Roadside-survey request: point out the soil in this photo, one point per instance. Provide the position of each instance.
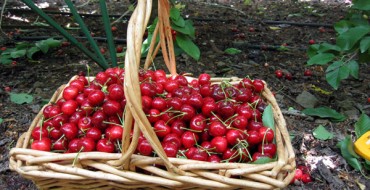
(219, 25)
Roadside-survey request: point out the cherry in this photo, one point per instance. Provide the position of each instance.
(205, 90)
(115, 92)
(144, 148)
(198, 123)
(55, 134)
(322, 30)
(70, 92)
(258, 155)
(159, 74)
(39, 133)
(177, 127)
(159, 104)
(233, 136)
(255, 125)
(217, 128)
(208, 108)
(86, 107)
(190, 152)
(175, 103)
(96, 97)
(77, 83)
(251, 29)
(244, 110)
(307, 73)
(200, 155)
(298, 175)
(240, 122)
(311, 42)
(84, 123)
(97, 119)
(173, 138)
(226, 109)
(59, 120)
(119, 49)
(171, 85)
(147, 89)
(7, 89)
(258, 85)
(69, 130)
(279, 73)
(94, 133)
(253, 137)
(214, 159)
(267, 134)
(170, 149)
(69, 107)
(306, 178)
(219, 143)
(153, 115)
(42, 144)
(288, 76)
(105, 145)
(243, 95)
(189, 139)
(161, 128)
(114, 132)
(73, 146)
(269, 149)
(189, 112)
(86, 144)
(114, 28)
(111, 107)
(195, 100)
(204, 79)
(303, 168)
(230, 155)
(102, 50)
(60, 144)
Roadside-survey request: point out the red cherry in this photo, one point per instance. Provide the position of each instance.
(119, 49)
(298, 175)
(96, 97)
(230, 155)
(189, 139)
(115, 92)
(173, 138)
(189, 112)
(251, 29)
(288, 76)
(200, 155)
(214, 159)
(311, 42)
(267, 134)
(198, 123)
(111, 107)
(204, 79)
(307, 73)
(144, 148)
(219, 143)
(258, 155)
(86, 144)
(233, 136)
(177, 127)
(170, 149)
(69, 107)
(240, 122)
(114, 133)
(114, 28)
(258, 85)
(217, 128)
(94, 133)
(105, 145)
(208, 108)
(171, 85)
(60, 144)
(69, 130)
(7, 89)
(279, 73)
(161, 128)
(269, 149)
(306, 178)
(39, 133)
(42, 144)
(70, 92)
(159, 103)
(253, 137)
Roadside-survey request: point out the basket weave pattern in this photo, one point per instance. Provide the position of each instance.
(126, 170)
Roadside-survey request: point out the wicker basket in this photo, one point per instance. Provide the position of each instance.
(97, 170)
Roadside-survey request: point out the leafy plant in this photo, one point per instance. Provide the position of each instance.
(325, 112)
(183, 33)
(347, 146)
(26, 49)
(351, 48)
(321, 133)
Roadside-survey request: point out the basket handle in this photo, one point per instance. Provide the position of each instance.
(135, 31)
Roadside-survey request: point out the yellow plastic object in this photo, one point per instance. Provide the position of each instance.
(362, 146)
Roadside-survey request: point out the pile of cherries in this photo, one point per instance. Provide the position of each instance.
(193, 118)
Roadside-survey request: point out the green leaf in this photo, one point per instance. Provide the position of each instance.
(32, 51)
(21, 98)
(362, 125)
(365, 44)
(4, 60)
(353, 68)
(22, 45)
(52, 43)
(348, 39)
(324, 112)
(18, 53)
(361, 5)
(335, 73)
(179, 22)
(268, 118)
(342, 26)
(188, 29)
(263, 160)
(232, 51)
(321, 133)
(324, 47)
(174, 13)
(1, 120)
(185, 43)
(321, 59)
(42, 46)
(312, 50)
(346, 149)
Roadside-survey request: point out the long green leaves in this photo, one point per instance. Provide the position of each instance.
(108, 32)
(86, 31)
(68, 36)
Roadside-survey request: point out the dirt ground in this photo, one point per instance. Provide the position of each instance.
(218, 26)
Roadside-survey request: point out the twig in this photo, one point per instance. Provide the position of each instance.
(122, 16)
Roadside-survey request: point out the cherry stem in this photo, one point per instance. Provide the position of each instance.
(119, 145)
(78, 153)
(218, 118)
(192, 130)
